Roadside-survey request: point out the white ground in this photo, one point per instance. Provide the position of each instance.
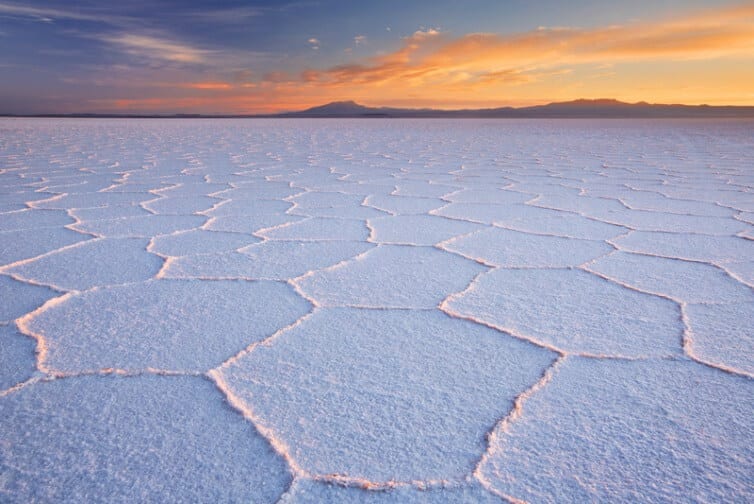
(376, 311)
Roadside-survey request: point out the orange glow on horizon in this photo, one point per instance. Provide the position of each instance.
(705, 58)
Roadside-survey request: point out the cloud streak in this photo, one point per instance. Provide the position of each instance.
(46, 14)
(228, 16)
(157, 48)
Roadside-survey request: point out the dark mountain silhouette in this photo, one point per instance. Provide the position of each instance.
(600, 108)
(338, 108)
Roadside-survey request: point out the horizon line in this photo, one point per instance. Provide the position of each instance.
(608, 104)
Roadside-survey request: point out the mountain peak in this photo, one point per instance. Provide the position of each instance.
(343, 103)
(590, 102)
(337, 108)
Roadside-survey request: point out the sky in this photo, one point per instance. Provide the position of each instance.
(236, 57)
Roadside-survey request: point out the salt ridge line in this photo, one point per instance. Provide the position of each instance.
(503, 425)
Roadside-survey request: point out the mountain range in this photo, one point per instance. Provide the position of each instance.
(601, 108)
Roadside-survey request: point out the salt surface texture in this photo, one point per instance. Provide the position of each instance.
(364, 311)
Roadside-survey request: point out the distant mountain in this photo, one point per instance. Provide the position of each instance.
(609, 108)
(338, 108)
(600, 108)
(353, 109)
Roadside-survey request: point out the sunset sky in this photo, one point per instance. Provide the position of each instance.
(257, 57)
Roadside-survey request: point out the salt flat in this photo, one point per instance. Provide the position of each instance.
(376, 310)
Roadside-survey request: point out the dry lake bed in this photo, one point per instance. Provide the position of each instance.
(376, 310)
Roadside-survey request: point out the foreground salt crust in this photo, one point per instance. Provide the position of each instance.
(376, 311)
(145, 438)
(199, 324)
(421, 390)
(573, 312)
(80, 267)
(17, 358)
(628, 431)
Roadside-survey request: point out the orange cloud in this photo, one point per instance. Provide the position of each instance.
(310, 76)
(704, 58)
(213, 86)
(431, 58)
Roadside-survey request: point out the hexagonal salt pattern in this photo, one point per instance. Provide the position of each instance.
(134, 439)
(418, 229)
(506, 248)
(723, 335)
(319, 229)
(691, 247)
(31, 219)
(391, 276)
(686, 281)
(186, 243)
(573, 311)
(270, 260)
(145, 226)
(166, 324)
(249, 223)
(615, 431)
(92, 263)
(531, 219)
(22, 244)
(384, 395)
(404, 205)
(300, 266)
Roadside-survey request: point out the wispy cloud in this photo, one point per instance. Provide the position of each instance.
(156, 48)
(144, 38)
(47, 14)
(232, 15)
(313, 43)
(360, 39)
